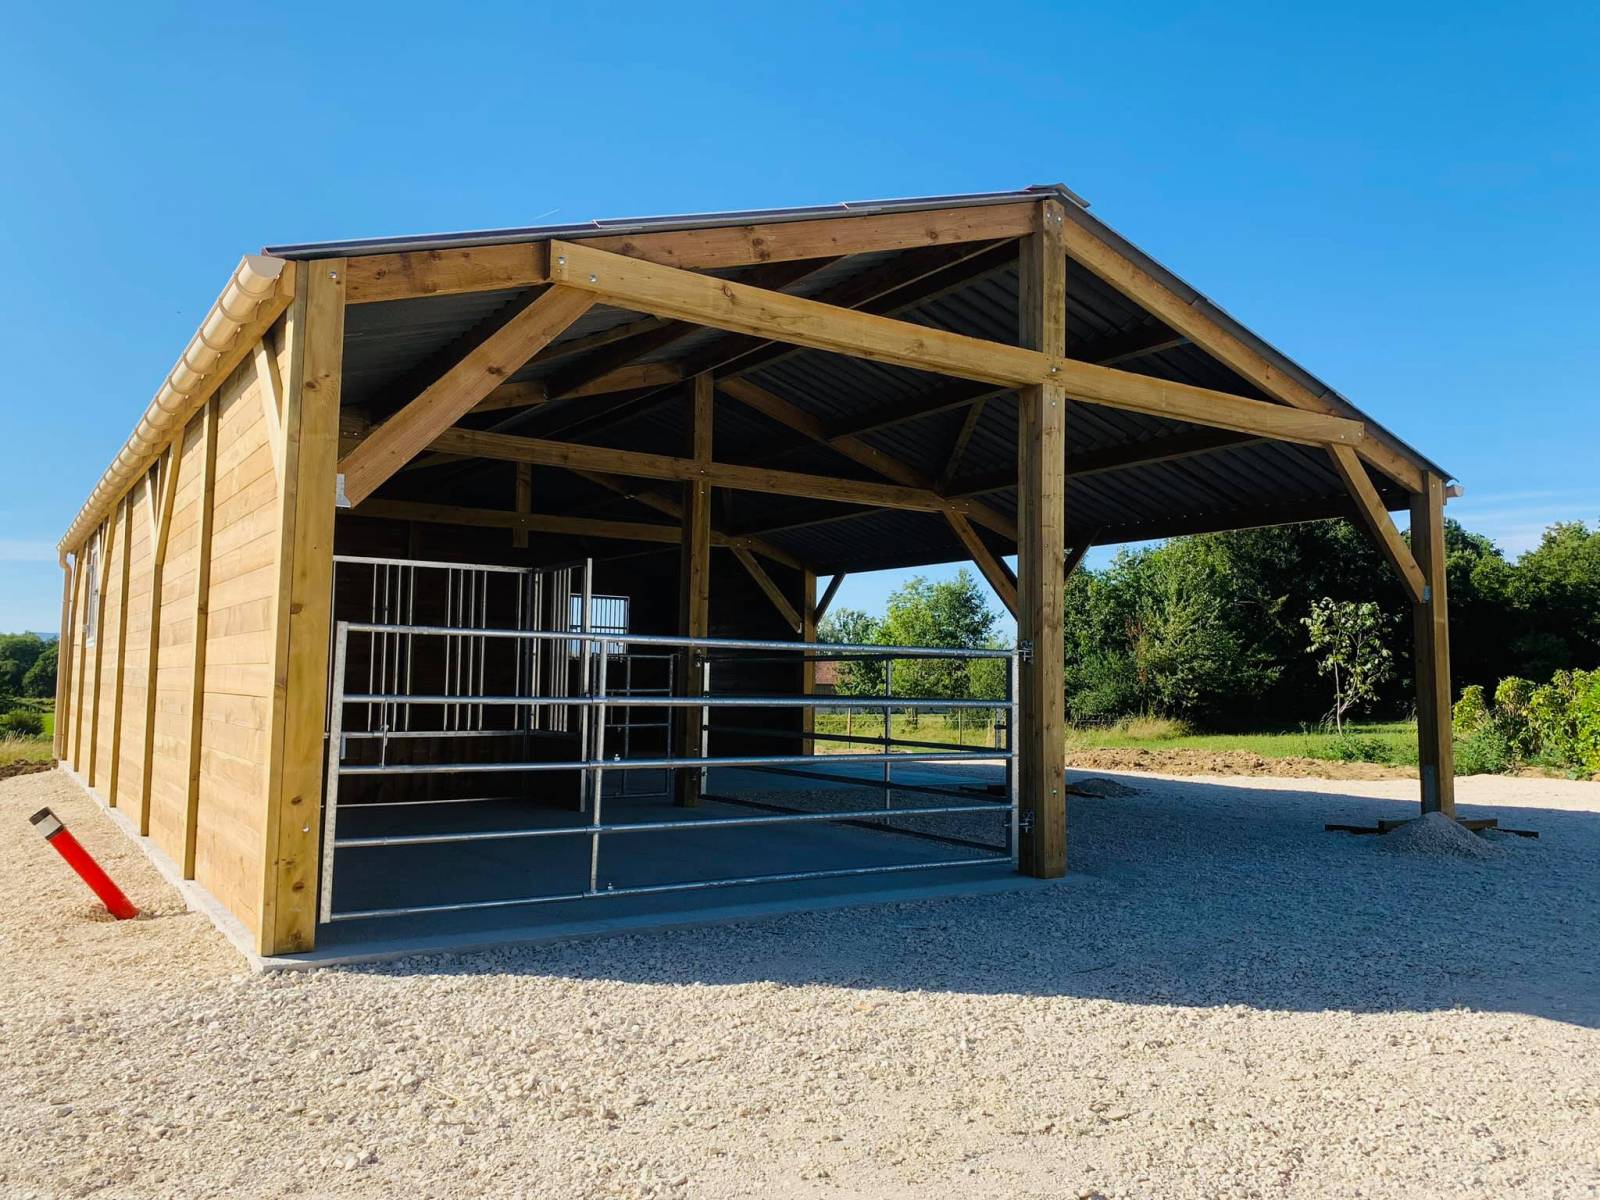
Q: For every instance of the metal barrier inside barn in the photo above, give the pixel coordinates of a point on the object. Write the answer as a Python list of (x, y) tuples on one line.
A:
[(542, 811)]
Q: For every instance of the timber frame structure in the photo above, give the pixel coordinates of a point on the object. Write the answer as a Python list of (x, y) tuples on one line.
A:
[(845, 388)]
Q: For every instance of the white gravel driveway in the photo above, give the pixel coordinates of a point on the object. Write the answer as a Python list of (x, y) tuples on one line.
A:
[(1221, 1000)]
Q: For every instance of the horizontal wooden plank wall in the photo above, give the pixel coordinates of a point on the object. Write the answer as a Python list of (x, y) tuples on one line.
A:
[(227, 838), (206, 745)]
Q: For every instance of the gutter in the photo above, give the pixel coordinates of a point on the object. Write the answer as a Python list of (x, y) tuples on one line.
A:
[(229, 328)]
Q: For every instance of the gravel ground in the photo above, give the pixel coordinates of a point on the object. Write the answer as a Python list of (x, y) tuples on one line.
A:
[(1221, 1000)]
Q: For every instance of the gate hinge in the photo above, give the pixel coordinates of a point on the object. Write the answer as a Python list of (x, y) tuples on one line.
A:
[(1025, 651), (1025, 822)]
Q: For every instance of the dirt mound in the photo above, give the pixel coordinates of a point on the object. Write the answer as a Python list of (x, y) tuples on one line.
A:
[(1097, 785), (10, 770), (1436, 836), (1229, 762)]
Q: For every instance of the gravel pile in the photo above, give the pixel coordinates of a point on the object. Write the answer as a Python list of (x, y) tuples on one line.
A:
[(1220, 1001), (1437, 835)]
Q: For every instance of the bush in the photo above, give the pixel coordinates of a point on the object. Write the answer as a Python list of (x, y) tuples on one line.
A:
[(1471, 711), (1350, 747), (1485, 751), (1555, 723), (22, 722)]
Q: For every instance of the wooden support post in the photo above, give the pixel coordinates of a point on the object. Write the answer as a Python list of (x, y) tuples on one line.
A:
[(808, 669), (1431, 625), (1040, 740), (206, 514), (161, 505), (301, 621), (112, 778), (88, 565), (108, 548), (694, 595), (524, 500)]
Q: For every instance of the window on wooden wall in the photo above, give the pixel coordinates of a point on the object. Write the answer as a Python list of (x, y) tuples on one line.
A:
[(92, 608)]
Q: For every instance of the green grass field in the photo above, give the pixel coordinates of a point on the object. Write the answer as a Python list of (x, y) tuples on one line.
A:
[(1384, 742), (14, 749)]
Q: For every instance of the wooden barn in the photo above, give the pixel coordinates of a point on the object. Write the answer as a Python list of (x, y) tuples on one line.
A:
[(476, 577)]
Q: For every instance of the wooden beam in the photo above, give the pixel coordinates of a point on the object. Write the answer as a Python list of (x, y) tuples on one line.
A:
[(908, 278), (119, 676), (302, 619), (108, 547), (532, 522), (527, 394), (1377, 521), (994, 570), (683, 295), (576, 457), (829, 236), (394, 443), (524, 503), (1114, 458), (674, 510), (1041, 518), (694, 582), (1190, 319), (206, 501), (1431, 630), (958, 448), (960, 393), (832, 590), (415, 273), (162, 506), (791, 616), (410, 274), (778, 409), (622, 358)]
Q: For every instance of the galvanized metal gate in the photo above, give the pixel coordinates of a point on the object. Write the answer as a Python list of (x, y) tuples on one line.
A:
[(610, 691)]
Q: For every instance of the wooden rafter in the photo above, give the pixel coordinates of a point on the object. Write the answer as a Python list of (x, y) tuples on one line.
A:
[(411, 274), (1369, 506), (796, 418), (674, 510), (573, 456), (987, 561), (683, 295), (1191, 320), (773, 592), (1112, 458), (392, 444), (911, 278)]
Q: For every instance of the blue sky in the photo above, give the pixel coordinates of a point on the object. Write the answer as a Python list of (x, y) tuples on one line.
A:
[(1404, 201)]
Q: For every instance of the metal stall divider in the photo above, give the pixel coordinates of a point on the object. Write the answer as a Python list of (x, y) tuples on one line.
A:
[(594, 765)]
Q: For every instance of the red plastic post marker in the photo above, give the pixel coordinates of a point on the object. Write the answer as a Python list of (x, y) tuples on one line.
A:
[(47, 823)]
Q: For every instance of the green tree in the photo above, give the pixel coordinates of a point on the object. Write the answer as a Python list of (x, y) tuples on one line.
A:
[(39, 680), (1346, 638), (852, 627)]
